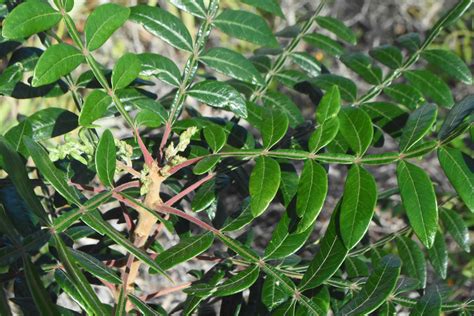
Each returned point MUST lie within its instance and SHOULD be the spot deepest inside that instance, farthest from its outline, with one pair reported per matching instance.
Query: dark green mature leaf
(459, 167)
(219, 95)
(67, 5)
(66, 285)
(356, 267)
(215, 136)
(438, 255)
(52, 122)
(164, 25)
(245, 26)
(160, 67)
(456, 116)
(362, 65)
(95, 106)
(307, 63)
(95, 266)
(273, 127)
(453, 15)
(29, 18)
(378, 287)
(282, 103)
(323, 134)
(103, 22)
(414, 264)
(245, 217)
(410, 41)
(186, 249)
(312, 190)
(264, 183)
(419, 201)
(232, 64)
(126, 70)
(270, 6)
(429, 304)
(419, 123)
(15, 136)
(405, 94)
(272, 293)
(142, 306)
(205, 165)
(356, 128)
(456, 227)
(57, 61)
(205, 195)
(105, 158)
(338, 28)
(347, 87)
(329, 106)
(388, 55)
(431, 86)
(358, 203)
(324, 43)
(449, 63)
(195, 7)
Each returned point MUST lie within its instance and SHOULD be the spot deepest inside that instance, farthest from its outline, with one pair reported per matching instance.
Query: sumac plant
(86, 216)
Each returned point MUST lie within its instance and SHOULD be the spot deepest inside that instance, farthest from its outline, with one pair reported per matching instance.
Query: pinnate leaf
(431, 86)
(356, 128)
(105, 158)
(338, 28)
(126, 70)
(419, 123)
(264, 183)
(273, 127)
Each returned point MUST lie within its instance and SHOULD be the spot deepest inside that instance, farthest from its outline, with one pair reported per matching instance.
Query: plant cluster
(177, 168)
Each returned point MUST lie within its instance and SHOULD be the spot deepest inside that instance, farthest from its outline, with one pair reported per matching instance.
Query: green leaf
(414, 264)
(246, 26)
(323, 134)
(270, 6)
(358, 203)
(29, 18)
(232, 64)
(66, 284)
(160, 67)
(206, 164)
(449, 63)
(419, 123)
(105, 158)
(215, 136)
(458, 167)
(405, 94)
(362, 65)
(103, 22)
(429, 304)
(52, 122)
(356, 128)
(195, 7)
(95, 106)
(57, 61)
(453, 15)
(347, 87)
(264, 183)
(307, 63)
(338, 28)
(163, 25)
(388, 55)
(67, 5)
(312, 190)
(273, 127)
(245, 217)
(186, 249)
(204, 196)
(378, 287)
(410, 41)
(95, 267)
(55, 177)
(120, 306)
(456, 227)
(328, 259)
(431, 86)
(219, 95)
(272, 293)
(438, 255)
(281, 103)
(141, 306)
(324, 43)
(356, 267)
(456, 116)
(419, 201)
(329, 106)
(126, 70)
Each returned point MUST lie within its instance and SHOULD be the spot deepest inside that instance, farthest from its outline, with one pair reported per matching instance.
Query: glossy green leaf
(291, 77)
(307, 63)
(362, 65)
(324, 43)
(66, 285)
(405, 94)
(323, 134)
(358, 203)
(142, 307)
(429, 304)
(160, 67)
(57, 61)
(245, 26)
(431, 86)
(388, 55)
(356, 128)
(215, 136)
(312, 190)
(205, 196)
(163, 25)
(272, 293)
(264, 183)
(356, 267)
(103, 22)
(419, 123)
(438, 255)
(410, 41)
(347, 87)
(126, 70)
(195, 7)
(29, 18)
(232, 64)
(270, 6)
(51, 122)
(458, 167)
(378, 287)
(245, 218)
(95, 106)
(419, 201)
(338, 28)
(329, 106)
(273, 127)
(456, 116)
(449, 63)
(219, 95)
(388, 116)
(186, 249)
(456, 227)
(105, 158)
(67, 5)
(414, 264)
(95, 266)
(206, 164)
(453, 14)
(281, 103)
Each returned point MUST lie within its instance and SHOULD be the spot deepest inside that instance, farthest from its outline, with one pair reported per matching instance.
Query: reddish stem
(182, 165)
(164, 139)
(81, 187)
(188, 190)
(165, 291)
(128, 185)
(145, 152)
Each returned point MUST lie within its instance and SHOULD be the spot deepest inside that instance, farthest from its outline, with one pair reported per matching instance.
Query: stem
(189, 189)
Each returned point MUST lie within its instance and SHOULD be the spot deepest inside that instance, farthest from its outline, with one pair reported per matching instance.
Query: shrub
(180, 171)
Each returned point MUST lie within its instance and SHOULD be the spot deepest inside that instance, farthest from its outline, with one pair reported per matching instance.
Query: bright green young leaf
(347, 87)
(431, 85)
(195, 7)
(103, 22)
(323, 134)
(95, 106)
(358, 203)
(438, 255)
(329, 106)
(270, 6)
(324, 43)
(378, 287)
(312, 190)
(429, 304)
(215, 136)
(362, 65)
(388, 55)
(281, 103)
(160, 67)
(246, 26)
(164, 25)
(105, 158)
(29, 18)
(126, 70)
(264, 183)
(413, 259)
(356, 128)
(272, 293)
(456, 227)
(95, 266)
(456, 116)
(419, 201)
(273, 127)
(232, 64)
(419, 123)
(405, 94)
(458, 167)
(338, 28)
(449, 63)
(219, 95)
